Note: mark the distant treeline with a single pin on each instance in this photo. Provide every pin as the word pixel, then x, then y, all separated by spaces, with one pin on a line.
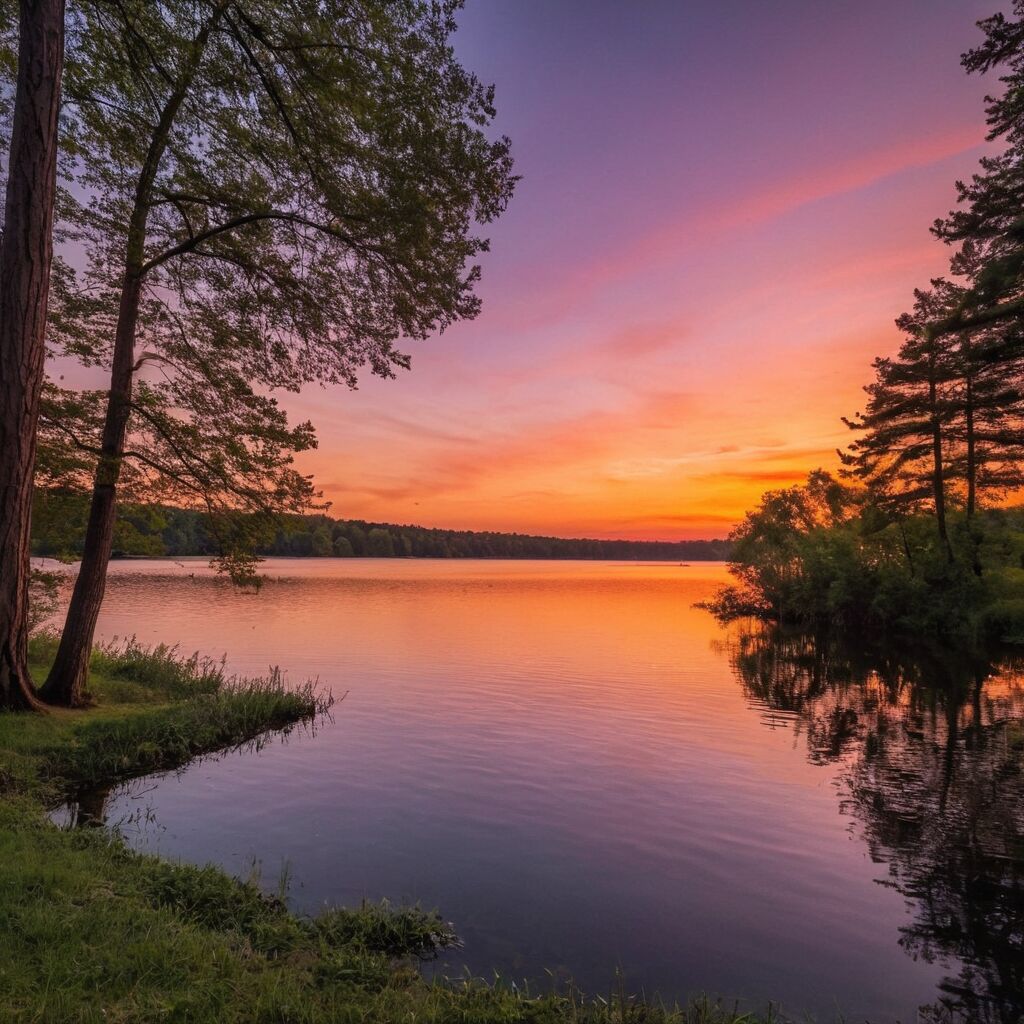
pixel 59 529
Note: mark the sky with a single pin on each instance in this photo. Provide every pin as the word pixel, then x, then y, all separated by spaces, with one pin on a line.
pixel 723 208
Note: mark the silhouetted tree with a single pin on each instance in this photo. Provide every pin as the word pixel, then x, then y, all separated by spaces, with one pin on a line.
pixel 342 547
pixel 278 194
pixel 769 549
pixel 988 224
pixel 902 451
pixel 26 252
pixel 932 774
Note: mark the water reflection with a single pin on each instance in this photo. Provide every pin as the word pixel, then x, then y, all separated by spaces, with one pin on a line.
pixel 932 755
pixel 101 805
pixel 88 809
pixel 555 755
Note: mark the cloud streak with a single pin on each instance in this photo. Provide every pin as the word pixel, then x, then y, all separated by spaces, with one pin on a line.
pixel 675 323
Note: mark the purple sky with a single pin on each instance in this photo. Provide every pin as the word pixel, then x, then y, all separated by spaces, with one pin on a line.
pixel 723 208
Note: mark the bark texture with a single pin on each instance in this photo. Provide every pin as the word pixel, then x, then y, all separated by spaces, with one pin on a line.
pixel 26 253
pixel 938 472
pixel 69 674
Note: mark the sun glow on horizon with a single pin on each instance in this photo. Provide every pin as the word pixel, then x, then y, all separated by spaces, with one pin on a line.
pixel 679 306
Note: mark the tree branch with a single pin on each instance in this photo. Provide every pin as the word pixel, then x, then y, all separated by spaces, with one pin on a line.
pixel 189 244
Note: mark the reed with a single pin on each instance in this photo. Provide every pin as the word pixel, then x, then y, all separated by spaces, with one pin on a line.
pixel 155 709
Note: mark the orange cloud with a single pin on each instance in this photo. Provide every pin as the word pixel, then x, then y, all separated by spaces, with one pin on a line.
pixel 658 417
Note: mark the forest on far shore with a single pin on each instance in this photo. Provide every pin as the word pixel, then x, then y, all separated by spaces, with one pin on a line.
pixel 59 521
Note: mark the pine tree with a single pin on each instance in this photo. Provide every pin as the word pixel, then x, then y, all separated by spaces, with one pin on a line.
pixel 988 224
pixel 903 453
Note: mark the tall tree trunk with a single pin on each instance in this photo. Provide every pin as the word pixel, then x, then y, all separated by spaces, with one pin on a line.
pixel 972 469
pixel 26 253
pixel 66 683
pixel 938 476
pixel 972 464
pixel 906 548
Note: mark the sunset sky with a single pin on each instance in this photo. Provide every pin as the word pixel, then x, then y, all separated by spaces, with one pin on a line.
pixel 723 208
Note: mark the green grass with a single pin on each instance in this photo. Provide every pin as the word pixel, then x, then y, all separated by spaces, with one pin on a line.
pixel 154 710
pixel 91 931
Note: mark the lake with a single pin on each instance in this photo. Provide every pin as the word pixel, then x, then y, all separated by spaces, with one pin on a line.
pixel 589 776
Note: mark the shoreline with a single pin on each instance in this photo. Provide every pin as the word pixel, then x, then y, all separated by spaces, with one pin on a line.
pixel 86 918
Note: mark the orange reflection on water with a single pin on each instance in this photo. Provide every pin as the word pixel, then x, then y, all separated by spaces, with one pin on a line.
pixel 560 755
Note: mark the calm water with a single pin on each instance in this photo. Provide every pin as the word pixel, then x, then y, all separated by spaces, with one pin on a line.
pixel 587 774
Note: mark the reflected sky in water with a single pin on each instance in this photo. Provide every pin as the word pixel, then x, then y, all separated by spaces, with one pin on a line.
pixel 587 774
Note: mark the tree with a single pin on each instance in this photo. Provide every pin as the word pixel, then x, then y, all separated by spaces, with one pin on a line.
pixel 988 424
pixel 770 549
pixel 945 417
pixel 342 547
pixel 901 454
pixel 322 546
pixel 26 253
pixel 379 543
pixel 357 538
pixel 988 224
pixel 278 194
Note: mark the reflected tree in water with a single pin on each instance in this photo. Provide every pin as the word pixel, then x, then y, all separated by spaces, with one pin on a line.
pixel 89 807
pixel 931 751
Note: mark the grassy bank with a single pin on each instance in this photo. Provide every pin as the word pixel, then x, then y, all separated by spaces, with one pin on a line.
pixel 153 710
pixel 91 931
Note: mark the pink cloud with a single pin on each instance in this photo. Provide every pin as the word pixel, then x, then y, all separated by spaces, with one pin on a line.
pixel 681 234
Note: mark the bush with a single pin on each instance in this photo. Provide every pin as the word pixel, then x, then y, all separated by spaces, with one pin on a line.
pixel 1003 621
pixel 819 556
